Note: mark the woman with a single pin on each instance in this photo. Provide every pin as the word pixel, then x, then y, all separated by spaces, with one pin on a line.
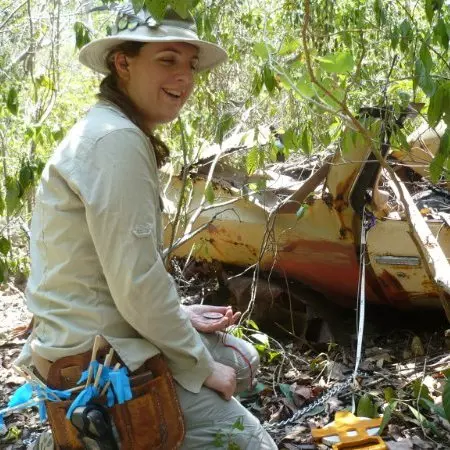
pixel 96 235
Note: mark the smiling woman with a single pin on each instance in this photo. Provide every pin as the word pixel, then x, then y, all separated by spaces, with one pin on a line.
pixel 96 266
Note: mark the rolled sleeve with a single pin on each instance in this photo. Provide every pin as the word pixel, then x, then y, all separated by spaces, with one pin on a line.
pixel 122 209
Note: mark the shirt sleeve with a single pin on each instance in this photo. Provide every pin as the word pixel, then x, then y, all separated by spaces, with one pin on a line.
pixel 122 207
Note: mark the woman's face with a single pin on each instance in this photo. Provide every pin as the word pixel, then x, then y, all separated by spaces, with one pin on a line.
pixel 160 79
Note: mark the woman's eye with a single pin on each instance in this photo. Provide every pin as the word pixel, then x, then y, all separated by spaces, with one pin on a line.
pixel 167 60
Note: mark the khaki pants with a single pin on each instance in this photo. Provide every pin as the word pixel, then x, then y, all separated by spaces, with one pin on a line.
pixel 209 419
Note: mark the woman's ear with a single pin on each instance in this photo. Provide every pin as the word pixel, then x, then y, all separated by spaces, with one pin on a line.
pixel 121 64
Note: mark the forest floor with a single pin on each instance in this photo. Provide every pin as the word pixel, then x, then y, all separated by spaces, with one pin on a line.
pixel 406 360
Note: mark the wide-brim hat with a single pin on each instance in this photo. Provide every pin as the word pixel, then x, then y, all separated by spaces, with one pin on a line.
pixel 142 27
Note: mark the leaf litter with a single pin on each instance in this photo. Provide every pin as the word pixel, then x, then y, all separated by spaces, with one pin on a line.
pixel 398 378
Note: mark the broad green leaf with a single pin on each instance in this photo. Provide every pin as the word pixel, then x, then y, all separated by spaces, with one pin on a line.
pixel 269 78
pixel 387 414
pixel 12 198
pixel 389 394
pixel 306 88
pixel 366 407
pixel 225 124
pixel 137 5
pixel 437 409
pixel 182 7
pixel 425 57
pixel 291 139
pixel 443 153
pixel 157 8
pixel 289 46
pixel 446 399
pixel 286 391
pixel 395 37
pixel 12 101
pixel 440 33
pixel 5 246
pixel 2 204
pixel 257 84
pixel 3 269
pixel 436 107
pixel 260 49
pixel 406 35
pixel 82 34
pixel 251 324
pixel 209 193
pixel 306 141
pixel 422 78
pixel 339 62
pixel 429 10
pixel 380 12
pixel 252 160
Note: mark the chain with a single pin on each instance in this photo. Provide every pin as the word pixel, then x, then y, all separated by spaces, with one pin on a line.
pixel 336 389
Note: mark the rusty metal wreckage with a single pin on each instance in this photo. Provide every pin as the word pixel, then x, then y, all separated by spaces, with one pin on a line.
pixel 315 224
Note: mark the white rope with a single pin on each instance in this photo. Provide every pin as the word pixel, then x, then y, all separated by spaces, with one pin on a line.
pixel 361 302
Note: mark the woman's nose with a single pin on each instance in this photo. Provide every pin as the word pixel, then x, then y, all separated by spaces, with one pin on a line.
pixel 185 74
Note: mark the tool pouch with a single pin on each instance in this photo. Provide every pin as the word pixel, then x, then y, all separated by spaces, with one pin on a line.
pixel 152 419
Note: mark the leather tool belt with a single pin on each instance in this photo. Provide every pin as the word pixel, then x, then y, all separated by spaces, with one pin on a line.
pixel 152 419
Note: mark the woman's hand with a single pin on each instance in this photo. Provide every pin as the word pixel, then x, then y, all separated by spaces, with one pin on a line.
pixel 205 325
pixel 222 380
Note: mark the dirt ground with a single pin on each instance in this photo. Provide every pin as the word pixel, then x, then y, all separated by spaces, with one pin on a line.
pixel 405 361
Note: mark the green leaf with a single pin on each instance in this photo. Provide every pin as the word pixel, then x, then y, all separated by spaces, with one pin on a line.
pixel 225 124
pixel 380 13
pixel 137 5
pixel 269 78
pixel 12 194
pixel 239 424
pixel 306 141
pixel 260 49
pixel 423 79
pixel 389 394
pixel 286 391
pixel 429 10
pixel 440 33
pixel 252 160
pixel 439 410
pixel 406 35
pixel 289 46
pixel 339 62
pixel 251 324
pixel 82 34
pixel 306 88
pixel 182 7
pixel 157 8
pixel 425 57
pixel 387 414
pixel 2 204
pixel 436 107
pixel 366 407
pixel 12 101
pixel 209 193
pixel 5 246
pixel 446 399
pixel 3 269
pixel 443 153
pixel 395 37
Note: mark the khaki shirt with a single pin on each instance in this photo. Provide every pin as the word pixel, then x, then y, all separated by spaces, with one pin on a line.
pixel 96 266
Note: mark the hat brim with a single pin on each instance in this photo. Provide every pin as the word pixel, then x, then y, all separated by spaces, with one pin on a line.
pixel 93 54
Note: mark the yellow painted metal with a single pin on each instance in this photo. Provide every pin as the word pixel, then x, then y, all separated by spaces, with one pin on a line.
pixel 410 284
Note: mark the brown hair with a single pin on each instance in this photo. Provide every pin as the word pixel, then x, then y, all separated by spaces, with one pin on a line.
pixel 110 91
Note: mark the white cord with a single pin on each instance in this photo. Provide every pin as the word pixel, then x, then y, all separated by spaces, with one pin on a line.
pixel 361 303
